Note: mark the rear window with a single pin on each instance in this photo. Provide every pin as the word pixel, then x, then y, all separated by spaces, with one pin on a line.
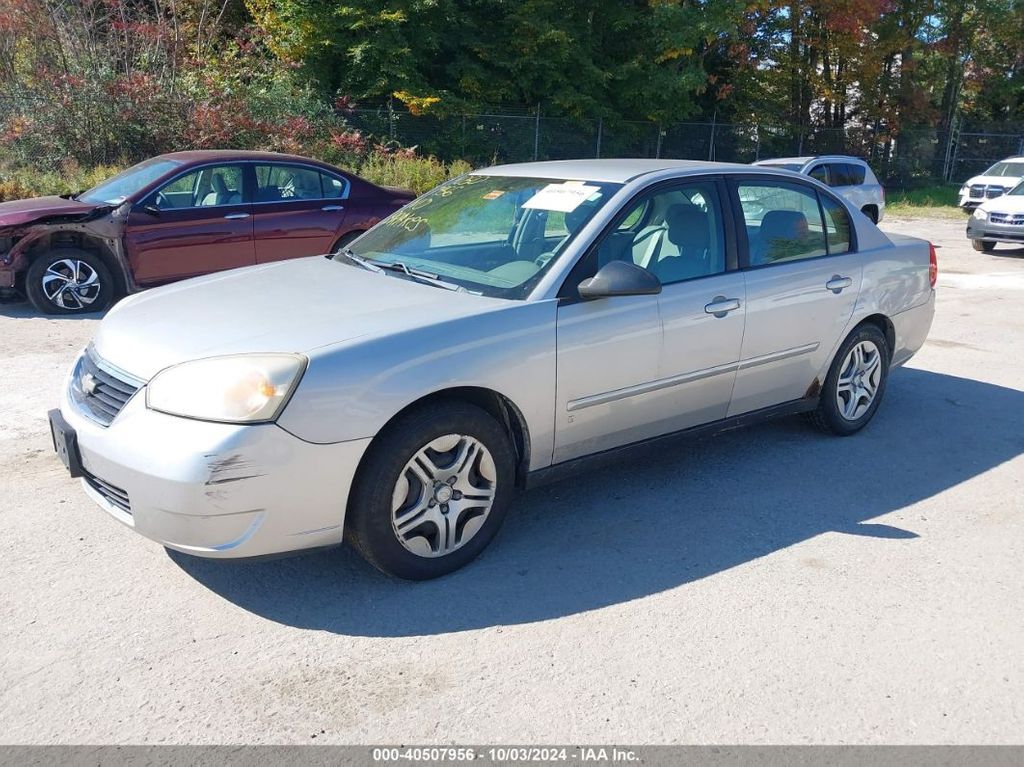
pixel 853 174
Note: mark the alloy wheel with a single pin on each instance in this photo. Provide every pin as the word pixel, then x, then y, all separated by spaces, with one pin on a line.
pixel 71 284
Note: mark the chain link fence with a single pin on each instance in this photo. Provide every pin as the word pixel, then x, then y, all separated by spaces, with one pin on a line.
pixel 37 134
pixel 904 159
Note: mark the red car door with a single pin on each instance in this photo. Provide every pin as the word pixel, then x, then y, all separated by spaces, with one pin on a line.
pixel 298 210
pixel 197 223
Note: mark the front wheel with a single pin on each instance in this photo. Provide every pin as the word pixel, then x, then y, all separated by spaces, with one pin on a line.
pixel 69 281
pixel 855 383
pixel 432 491
pixel 983 246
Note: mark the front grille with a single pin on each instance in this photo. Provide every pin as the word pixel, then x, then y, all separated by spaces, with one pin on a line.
pixel 100 390
pixel 111 493
pixel 1012 219
pixel 995 191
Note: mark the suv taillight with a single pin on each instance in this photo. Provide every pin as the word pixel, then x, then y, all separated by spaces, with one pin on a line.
pixel 933 265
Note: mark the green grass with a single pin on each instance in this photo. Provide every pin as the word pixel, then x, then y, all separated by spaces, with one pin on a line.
pixel 931 201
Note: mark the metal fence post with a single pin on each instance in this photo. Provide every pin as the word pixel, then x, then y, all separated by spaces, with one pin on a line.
pixel 600 130
pixel 536 136
pixel 711 140
pixel 657 148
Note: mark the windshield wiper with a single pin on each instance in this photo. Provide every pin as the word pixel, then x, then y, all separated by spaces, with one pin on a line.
pixel 418 274
pixel 358 260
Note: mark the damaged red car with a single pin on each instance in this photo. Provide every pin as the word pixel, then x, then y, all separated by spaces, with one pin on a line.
pixel 181 215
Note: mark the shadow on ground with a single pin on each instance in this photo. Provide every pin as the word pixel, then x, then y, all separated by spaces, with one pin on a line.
pixel 661 519
pixel 21 310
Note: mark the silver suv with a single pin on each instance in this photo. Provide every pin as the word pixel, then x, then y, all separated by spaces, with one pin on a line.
pixel 849 176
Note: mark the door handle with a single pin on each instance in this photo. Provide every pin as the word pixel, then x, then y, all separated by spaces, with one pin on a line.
pixel 332 208
pixel 721 306
pixel 837 283
pixel 232 216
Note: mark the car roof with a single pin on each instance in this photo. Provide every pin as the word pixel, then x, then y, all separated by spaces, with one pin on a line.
pixel 811 158
pixel 208 155
pixel 618 171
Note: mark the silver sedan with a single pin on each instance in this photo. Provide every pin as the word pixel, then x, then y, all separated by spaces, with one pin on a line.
pixel 513 323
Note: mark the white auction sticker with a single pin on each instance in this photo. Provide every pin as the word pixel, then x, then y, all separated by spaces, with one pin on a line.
pixel 561 197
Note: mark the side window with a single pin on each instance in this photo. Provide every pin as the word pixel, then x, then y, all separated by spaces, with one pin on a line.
pixel 837 225
pixel 203 188
pixel 819 172
pixel 334 187
pixel 783 222
pixel 854 174
pixel 683 236
pixel 287 183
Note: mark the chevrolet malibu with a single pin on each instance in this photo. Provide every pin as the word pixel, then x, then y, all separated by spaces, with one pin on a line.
pixel 514 323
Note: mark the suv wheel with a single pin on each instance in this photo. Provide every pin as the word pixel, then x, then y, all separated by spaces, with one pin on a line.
pixel 871 212
pixel 855 383
pixel 432 491
pixel 983 246
pixel 69 281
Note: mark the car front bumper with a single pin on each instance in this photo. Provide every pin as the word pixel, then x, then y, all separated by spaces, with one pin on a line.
pixel 986 230
pixel 211 489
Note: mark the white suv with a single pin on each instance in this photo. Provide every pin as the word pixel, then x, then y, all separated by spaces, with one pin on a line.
pixel 995 182
pixel 849 176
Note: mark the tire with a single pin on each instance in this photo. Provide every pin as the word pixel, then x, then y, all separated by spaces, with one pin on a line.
pixel 345 240
pixel 69 281
pixel 419 529
pixel 871 212
pixel 845 414
pixel 983 246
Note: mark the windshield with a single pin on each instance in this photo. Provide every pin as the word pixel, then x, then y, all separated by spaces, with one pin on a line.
pixel 493 235
pixel 119 188
pixel 1012 169
pixel 1017 190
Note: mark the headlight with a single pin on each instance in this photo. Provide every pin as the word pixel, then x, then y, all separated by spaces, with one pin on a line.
pixel 981 215
pixel 242 388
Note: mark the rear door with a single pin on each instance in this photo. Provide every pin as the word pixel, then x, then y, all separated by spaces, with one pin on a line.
pixel 298 210
pixel 802 276
pixel 198 222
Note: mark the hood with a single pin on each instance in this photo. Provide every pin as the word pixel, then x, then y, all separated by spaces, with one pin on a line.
pixel 1005 204
pixel 1004 181
pixel 288 306
pixel 19 212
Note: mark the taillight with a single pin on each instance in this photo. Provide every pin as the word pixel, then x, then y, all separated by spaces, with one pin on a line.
pixel 933 265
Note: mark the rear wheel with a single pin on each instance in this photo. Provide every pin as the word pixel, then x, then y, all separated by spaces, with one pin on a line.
pixel 871 212
pixel 345 240
pixel 69 281
pixel 432 491
pixel 983 246
pixel 855 383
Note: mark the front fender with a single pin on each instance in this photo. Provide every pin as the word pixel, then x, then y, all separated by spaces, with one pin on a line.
pixel 350 391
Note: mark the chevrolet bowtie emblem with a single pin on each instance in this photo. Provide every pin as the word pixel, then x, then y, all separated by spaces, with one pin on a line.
pixel 89 384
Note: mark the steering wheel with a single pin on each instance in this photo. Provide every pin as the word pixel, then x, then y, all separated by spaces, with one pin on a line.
pixel 543 258
pixel 161 201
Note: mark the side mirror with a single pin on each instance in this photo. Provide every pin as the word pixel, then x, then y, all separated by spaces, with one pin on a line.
pixel 620 278
pixel 152 210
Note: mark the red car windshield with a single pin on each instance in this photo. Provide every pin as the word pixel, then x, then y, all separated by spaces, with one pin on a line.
pixel 119 188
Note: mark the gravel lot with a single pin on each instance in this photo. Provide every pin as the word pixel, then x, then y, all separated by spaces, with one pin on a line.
pixel 770 585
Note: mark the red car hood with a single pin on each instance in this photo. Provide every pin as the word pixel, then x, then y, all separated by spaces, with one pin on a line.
pixel 18 212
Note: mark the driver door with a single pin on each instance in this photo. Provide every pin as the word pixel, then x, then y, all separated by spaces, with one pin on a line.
pixel 199 222
pixel 634 367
